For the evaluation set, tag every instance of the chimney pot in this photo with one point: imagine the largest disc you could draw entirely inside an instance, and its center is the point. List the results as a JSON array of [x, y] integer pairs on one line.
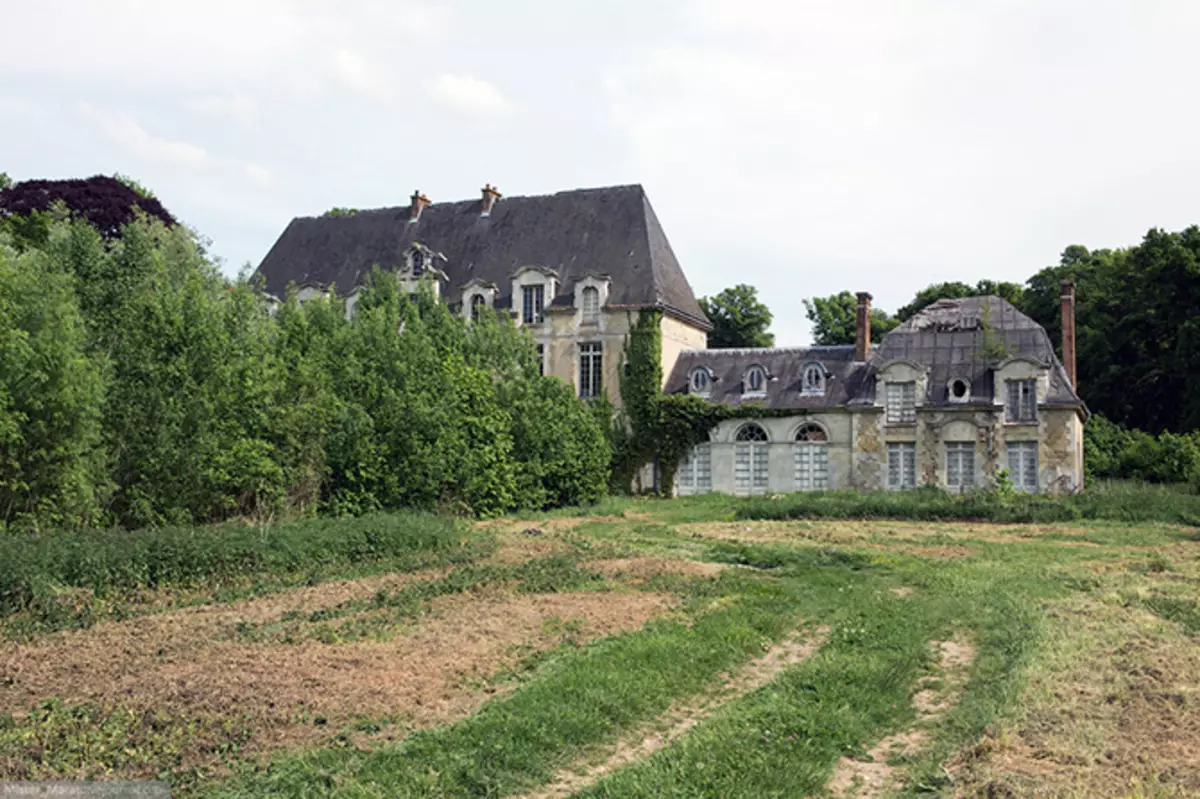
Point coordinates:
[[490, 195], [1068, 331], [862, 327], [419, 201]]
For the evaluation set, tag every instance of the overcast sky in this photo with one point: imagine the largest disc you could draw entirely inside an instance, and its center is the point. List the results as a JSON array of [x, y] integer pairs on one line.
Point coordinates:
[[802, 147]]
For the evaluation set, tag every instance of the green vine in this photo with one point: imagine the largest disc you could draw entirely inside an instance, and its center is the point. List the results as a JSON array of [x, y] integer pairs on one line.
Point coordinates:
[[992, 347]]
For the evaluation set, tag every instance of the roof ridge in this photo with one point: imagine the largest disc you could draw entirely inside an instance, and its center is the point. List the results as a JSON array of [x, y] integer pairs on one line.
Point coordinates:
[[766, 350]]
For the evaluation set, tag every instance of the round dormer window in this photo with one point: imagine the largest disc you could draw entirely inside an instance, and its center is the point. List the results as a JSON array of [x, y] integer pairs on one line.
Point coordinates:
[[960, 390], [756, 380], [701, 381], [813, 379]]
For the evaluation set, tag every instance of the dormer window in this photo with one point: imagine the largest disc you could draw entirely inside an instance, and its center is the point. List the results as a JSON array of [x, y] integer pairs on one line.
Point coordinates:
[[812, 380], [533, 300], [416, 262], [701, 381], [478, 303], [590, 300], [755, 381], [1021, 404], [959, 390]]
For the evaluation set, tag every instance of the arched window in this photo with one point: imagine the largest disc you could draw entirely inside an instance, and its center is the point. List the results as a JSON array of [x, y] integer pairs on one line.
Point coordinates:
[[417, 262], [590, 299], [756, 380], [477, 305], [701, 381], [751, 460], [813, 379], [810, 458]]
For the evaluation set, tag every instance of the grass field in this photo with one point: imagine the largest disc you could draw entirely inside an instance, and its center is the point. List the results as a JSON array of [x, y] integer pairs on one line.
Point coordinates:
[[647, 648]]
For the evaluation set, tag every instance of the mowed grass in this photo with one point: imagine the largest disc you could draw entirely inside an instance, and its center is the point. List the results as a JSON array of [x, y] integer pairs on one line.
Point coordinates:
[[1083, 635]]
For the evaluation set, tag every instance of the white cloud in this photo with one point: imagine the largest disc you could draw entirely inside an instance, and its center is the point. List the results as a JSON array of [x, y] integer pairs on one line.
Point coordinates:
[[354, 71], [258, 175], [237, 106], [124, 130], [469, 95]]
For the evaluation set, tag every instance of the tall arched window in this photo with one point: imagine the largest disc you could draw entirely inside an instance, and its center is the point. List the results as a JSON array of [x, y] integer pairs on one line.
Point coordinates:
[[590, 299], [813, 379], [810, 457], [477, 305], [417, 262], [756, 380], [751, 462]]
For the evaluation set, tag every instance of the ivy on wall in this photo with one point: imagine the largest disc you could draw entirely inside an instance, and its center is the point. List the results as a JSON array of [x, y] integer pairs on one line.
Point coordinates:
[[653, 426]]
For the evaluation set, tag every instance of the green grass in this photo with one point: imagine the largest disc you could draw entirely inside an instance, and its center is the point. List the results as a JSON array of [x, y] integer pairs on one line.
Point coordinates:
[[56, 580]]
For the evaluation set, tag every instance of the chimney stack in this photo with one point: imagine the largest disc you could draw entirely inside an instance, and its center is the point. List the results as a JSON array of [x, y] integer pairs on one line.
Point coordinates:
[[490, 195], [419, 201], [1068, 330], [862, 327]]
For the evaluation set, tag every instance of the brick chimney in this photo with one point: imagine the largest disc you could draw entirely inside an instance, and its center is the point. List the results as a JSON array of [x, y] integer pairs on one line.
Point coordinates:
[[1068, 330], [419, 201], [862, 327], [490, 195]]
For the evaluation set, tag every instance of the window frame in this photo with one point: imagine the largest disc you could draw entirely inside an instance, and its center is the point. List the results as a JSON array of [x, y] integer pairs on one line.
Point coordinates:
[[761, 372], [960, 461], [810, 458], [1020, 401], [477, 303], [812, 388], [905, 453], [695, 471], [1029, 458], [591, 369], [903, 411], [752, 459], [541, 356], [533, 313], [589, 301], [700, 372]]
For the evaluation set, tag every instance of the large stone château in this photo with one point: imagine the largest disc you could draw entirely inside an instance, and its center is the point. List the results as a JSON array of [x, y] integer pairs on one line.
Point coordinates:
[[960, 391]]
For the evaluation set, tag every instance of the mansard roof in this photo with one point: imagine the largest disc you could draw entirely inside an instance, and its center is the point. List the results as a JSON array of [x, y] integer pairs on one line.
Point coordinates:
[[961, 338], [611, 231]]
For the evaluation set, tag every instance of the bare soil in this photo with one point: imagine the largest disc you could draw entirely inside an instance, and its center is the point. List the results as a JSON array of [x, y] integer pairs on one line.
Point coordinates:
[[642, 743], [292, 695]]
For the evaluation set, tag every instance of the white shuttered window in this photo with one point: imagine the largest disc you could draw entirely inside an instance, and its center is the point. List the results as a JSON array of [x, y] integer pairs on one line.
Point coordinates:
[[1023, 465], [901, 400], [960, 465], [751, 460], [901, 466], [695, 473]]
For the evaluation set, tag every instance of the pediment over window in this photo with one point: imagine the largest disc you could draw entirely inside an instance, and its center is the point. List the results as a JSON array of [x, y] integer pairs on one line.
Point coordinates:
[[477, 295], [420, 262]]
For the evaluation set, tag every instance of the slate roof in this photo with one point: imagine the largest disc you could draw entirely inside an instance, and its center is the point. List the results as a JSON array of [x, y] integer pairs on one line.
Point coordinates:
[[946, 338], [608, 231]]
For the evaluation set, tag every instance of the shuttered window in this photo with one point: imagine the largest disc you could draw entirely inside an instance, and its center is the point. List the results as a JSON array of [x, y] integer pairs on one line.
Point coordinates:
[[1021, 405], [695, 472], [901, 466], [751, 460], [901, 401], [960, 465], [1023, 465], [812, 466]]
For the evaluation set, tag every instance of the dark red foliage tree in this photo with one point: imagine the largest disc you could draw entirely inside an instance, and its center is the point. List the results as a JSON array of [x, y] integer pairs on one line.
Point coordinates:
[[106, 203]]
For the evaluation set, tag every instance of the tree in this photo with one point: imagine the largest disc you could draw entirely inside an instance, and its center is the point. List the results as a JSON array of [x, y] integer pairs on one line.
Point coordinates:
[[955, 290], [738, 318], [5, 181], [108, 204], [835, 319]]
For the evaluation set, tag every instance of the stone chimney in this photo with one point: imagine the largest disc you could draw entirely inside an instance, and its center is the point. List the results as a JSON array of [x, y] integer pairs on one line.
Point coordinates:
[[862, 327], [490, 195], [419, 201], [1068, 330]]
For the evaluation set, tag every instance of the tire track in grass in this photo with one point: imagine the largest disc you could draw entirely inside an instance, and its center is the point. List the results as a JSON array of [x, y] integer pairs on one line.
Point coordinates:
[[645, 741], [873, 776]]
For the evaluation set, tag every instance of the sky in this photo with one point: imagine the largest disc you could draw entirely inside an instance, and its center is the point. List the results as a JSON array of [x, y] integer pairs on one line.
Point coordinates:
[[802, 147]]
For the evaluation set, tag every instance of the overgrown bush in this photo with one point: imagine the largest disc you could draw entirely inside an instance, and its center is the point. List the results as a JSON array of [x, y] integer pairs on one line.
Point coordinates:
[[1115, 452]]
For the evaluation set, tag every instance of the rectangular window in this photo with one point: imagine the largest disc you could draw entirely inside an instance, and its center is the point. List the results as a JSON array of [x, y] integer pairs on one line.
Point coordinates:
[[901, 400], [591, 369], [811, 466], [1023, 465], [960, 465], [695, 472], [751, 467], [901, 466], [541, 352], [532, 298], [1022, 401]]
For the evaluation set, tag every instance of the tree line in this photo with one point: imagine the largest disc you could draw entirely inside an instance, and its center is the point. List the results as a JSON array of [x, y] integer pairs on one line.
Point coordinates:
[[139, 387]]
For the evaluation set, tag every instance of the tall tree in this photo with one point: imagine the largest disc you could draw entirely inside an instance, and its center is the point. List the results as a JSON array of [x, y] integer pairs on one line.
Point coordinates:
[[739, 319], [834, 319], [108, 204]]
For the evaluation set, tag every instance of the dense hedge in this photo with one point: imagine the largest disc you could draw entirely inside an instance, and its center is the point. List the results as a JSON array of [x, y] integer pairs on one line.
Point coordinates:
[[140, 388], [114, 562], [1117, 501], [1115, 452]]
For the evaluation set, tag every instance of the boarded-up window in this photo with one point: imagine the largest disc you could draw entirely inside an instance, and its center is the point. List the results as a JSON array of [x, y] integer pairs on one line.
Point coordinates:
[[901, 466], [1023, 465], [960, 465], [901, 400]]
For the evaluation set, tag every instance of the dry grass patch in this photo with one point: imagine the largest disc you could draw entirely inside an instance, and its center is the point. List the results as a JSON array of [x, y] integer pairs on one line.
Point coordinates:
[[434, 673], [637, 571], [1112, 710], [874, 776], [642, 743]]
